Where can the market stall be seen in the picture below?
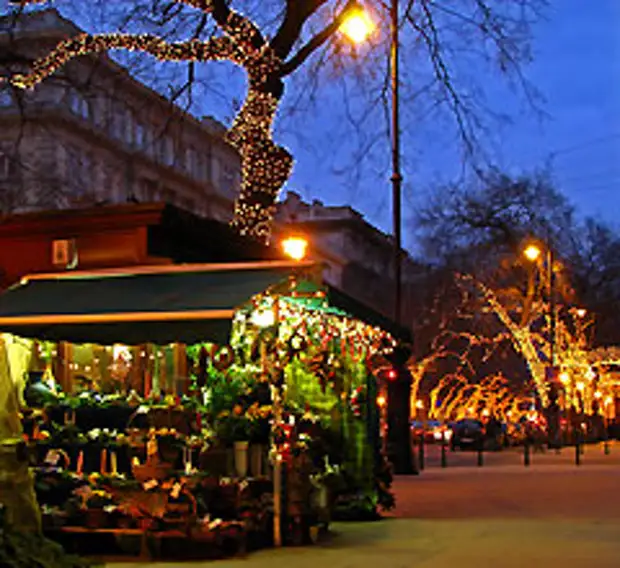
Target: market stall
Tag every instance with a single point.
(194, 410)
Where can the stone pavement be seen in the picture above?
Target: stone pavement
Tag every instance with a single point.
(551, 514)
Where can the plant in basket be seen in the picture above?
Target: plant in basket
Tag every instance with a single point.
(99, 505)
(170, 444)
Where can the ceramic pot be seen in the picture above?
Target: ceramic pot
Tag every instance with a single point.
(241, 458)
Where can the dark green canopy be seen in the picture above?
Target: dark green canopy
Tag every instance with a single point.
(185, 303)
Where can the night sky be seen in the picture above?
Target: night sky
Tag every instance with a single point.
(576, 69)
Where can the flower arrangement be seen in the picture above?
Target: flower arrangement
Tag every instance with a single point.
(233, 426)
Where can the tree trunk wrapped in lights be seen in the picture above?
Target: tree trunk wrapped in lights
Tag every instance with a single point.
(265, 165)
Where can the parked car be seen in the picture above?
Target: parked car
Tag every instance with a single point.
(467, 433)
(430, 429)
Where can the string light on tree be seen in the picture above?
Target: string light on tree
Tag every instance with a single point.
(265, 165)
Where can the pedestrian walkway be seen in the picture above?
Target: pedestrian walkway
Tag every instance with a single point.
(552, 514)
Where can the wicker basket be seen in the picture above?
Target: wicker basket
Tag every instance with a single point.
(147, 471)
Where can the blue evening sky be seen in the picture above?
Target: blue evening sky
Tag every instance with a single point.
(576, 68)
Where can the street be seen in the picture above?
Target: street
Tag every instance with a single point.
(503, 514)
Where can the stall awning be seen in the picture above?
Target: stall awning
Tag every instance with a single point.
(186, 303)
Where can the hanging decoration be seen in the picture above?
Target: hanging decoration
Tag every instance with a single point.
(265, 165)
(357, 401)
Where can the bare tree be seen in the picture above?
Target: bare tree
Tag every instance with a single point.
(276, 38)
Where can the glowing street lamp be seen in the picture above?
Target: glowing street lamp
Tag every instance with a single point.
(295, 247)
(357, 25)
(532, 252)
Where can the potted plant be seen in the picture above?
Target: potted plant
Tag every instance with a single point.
(233, 428)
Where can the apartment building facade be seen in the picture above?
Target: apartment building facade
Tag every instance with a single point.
(92, 134)
(358, 257)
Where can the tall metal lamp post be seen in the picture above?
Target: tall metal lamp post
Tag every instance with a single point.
(533, 252)
(358, 27)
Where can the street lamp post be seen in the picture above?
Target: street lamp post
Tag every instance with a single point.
(397, 177)
(354, 29)
(533, 252)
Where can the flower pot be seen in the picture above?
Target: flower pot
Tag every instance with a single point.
(257, 460)
(241, 458)
(96, 519)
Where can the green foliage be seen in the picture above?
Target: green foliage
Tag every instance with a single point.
(32, 550)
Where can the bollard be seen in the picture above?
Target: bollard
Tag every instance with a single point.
(421, 452)
(526, 454)
(577, 453)
(444, 461)
(606, 447)
(480, 456)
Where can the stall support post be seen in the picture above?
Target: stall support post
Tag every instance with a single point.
(277, 465)
(277, 501)
(276, 395)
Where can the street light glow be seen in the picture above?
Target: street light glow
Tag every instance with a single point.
(357, 26)
(295, 247)
(532, 252)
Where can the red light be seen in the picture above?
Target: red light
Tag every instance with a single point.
(392, 374)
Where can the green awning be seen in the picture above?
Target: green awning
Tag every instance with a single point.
(186, 303)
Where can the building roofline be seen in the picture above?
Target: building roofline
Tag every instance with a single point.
(119, 71)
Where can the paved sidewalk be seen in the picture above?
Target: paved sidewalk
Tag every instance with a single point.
(505, 516)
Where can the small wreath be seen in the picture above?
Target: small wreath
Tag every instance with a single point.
(222, 358)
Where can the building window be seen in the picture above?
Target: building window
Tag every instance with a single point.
(79, 104)
(168, 151)
(140, 136)
(148, 190)
(79, 170)
(202, 167)
(190, 161)
(127, 125)
(6, 99)
(8, 166)
(227, 178)
(5, 166)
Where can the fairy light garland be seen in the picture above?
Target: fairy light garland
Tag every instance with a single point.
(265, 166)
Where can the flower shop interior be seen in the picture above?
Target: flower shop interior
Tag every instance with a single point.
(189, 410)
